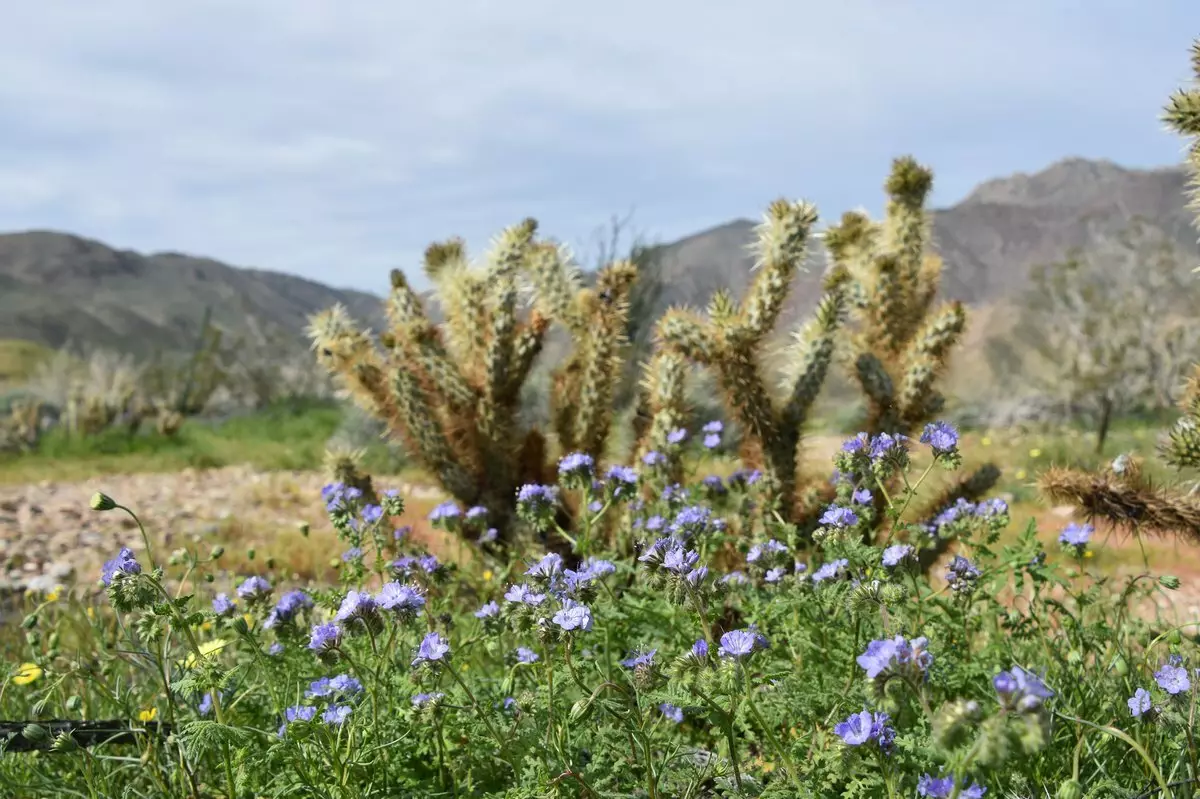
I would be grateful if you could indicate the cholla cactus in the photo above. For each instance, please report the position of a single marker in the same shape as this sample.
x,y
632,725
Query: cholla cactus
x,y
1182,115
450,392
884,280
1121,494
899,339
729,339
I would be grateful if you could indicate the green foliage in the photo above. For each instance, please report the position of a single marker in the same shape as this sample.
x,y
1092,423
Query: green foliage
x,y
834,669
290,434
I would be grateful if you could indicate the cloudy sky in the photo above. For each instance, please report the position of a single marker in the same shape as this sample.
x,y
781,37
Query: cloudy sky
x,y
334,140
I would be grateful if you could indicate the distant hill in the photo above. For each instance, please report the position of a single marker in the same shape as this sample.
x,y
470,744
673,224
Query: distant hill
x,y
56,288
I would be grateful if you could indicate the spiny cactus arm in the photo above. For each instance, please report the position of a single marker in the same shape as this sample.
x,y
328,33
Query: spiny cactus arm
x,y
780,249
556,284
350,357
880,391
415,336
929,279
971,488
509,254
344,465
687,333
1181,448
461,292
926,360
906,226
1182,115
917,401
1129,502
564,396
608,311
530,338
663,389
748,401
851,243
425,431
808,361
884,311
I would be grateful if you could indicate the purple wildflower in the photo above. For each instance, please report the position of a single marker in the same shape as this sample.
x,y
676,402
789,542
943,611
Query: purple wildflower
x,y
941,437
1139,703
573,616
527,656
1173,679
432,649
895,554
123,564
672,712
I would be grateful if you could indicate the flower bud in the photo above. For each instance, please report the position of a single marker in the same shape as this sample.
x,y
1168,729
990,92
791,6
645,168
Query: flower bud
x,y
101,501
30,621
250,553
240,626
35,733
1071,789
303,526
1174,638
1169,581
217,552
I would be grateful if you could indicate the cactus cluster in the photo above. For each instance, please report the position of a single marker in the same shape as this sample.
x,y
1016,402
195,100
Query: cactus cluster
x,y
877,313
450,392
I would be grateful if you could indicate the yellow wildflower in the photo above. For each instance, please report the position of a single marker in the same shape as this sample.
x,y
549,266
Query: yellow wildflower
x,y
207,649
91,613
54,594
1035,453
1089,554
985,441
27,673
248,619
206,626
487,574
148,715
1021,475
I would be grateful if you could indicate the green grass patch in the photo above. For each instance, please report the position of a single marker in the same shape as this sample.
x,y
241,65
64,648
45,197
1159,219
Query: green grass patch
x,y
286,436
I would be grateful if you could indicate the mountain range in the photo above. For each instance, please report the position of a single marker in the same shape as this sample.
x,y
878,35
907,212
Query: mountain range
x,y
57,288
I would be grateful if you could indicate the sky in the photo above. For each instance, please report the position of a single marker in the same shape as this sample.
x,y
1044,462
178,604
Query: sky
x,y
335,140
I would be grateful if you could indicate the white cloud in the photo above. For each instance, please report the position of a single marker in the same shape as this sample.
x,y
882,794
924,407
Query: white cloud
x,y
336,139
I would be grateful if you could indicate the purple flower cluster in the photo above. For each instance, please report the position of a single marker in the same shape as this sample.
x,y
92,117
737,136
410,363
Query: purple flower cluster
x,y
830,570
740,644
896,554
445,514
1075,537
896,656
253,589
962,575
943,788
433,649
1020,689
712,434
962,512
576,468
839,517
941,437
1173,678
124,564
287,608
864,727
